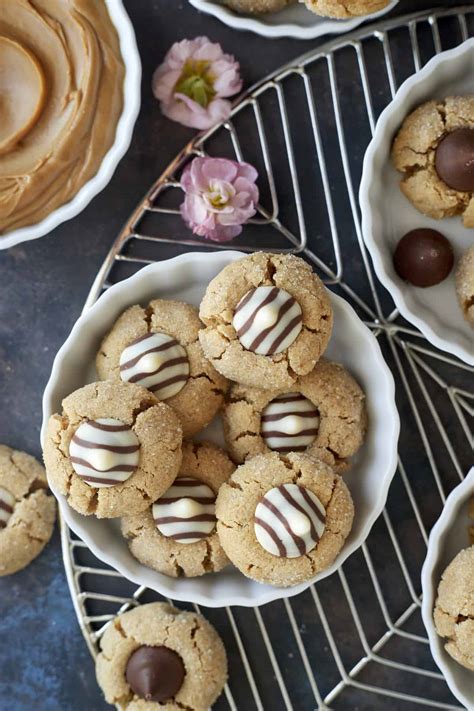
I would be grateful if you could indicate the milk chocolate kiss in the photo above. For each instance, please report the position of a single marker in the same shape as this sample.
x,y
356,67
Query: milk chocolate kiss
x,y
454,159
155,673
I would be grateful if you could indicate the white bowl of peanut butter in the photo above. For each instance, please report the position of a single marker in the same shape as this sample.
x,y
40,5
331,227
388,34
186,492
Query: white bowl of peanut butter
x,y
70,86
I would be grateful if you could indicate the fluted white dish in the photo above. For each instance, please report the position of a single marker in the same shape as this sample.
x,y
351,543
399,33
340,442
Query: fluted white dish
x,y
352,343
293,21
448,536
123,136
387,214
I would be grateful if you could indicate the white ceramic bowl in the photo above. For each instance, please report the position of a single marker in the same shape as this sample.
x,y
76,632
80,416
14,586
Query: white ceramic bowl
x,y
123,136
387,214
186,278
293,21
448,536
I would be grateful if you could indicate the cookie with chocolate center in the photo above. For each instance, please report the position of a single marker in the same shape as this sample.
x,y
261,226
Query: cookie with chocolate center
x,y
177,535
454,608
434,151
465,284
268,320
113,450
157,347
257,7
157,656
27,510
323,413
345,9
282,520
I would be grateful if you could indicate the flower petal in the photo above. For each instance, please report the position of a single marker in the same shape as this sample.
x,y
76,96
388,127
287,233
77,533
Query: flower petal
x,y
163,83
223,234
219,169
219,199
221,74
248,171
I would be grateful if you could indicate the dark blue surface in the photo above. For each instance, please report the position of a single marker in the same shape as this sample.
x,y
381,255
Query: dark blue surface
x,y
44,661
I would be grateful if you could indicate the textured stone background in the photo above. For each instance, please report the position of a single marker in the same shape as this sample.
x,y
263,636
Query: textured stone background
x,y
44,661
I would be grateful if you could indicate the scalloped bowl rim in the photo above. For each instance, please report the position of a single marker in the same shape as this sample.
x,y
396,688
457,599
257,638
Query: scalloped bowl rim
x,y
285,29
365,200
123,137
457,497
266,593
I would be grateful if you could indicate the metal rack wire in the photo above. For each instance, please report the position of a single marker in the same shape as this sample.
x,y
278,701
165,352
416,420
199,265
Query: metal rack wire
x,y
356,640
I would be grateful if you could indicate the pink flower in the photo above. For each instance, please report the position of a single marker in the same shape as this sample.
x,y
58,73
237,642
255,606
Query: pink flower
x,y
193,80
221,195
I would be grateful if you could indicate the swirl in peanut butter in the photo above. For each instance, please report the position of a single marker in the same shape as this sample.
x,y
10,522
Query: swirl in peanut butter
x,y
61,84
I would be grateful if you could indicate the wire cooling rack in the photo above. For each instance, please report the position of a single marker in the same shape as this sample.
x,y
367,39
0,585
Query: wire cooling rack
x,y
354,640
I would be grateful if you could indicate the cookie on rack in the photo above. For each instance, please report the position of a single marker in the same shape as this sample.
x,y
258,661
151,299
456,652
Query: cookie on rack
x,y
282,520
177,534
345,9
434,150
454,608
465,284
257,7
114,449
157,346
159,657
268,320
27,511
323,414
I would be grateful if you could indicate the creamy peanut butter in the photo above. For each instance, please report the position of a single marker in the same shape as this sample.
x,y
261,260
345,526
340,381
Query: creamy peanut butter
x,y
61,95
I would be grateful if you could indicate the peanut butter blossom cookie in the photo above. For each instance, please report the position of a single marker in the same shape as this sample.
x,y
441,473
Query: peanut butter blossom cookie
x,y
114,449
156,656
345,9
465,284
27,511
268,319
454,608
257,7
158,348
283,520
434,150
324,413
177,534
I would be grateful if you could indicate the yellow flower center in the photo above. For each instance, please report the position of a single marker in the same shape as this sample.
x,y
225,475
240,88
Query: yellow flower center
x,y
218,201
197,82
218,195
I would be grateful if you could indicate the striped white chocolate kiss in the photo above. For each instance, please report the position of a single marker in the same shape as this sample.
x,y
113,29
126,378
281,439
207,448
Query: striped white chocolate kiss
x,y
289,521
104,452
186,512
7,504
267,320
156,362
289,423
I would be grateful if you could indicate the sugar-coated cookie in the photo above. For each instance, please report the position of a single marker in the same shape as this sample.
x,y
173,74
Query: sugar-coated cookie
x,y
177,535
345,8
268,319
283,520
158,657
454,608
158,347
114,449
465,284
27,512
257,7
323,414
433,150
